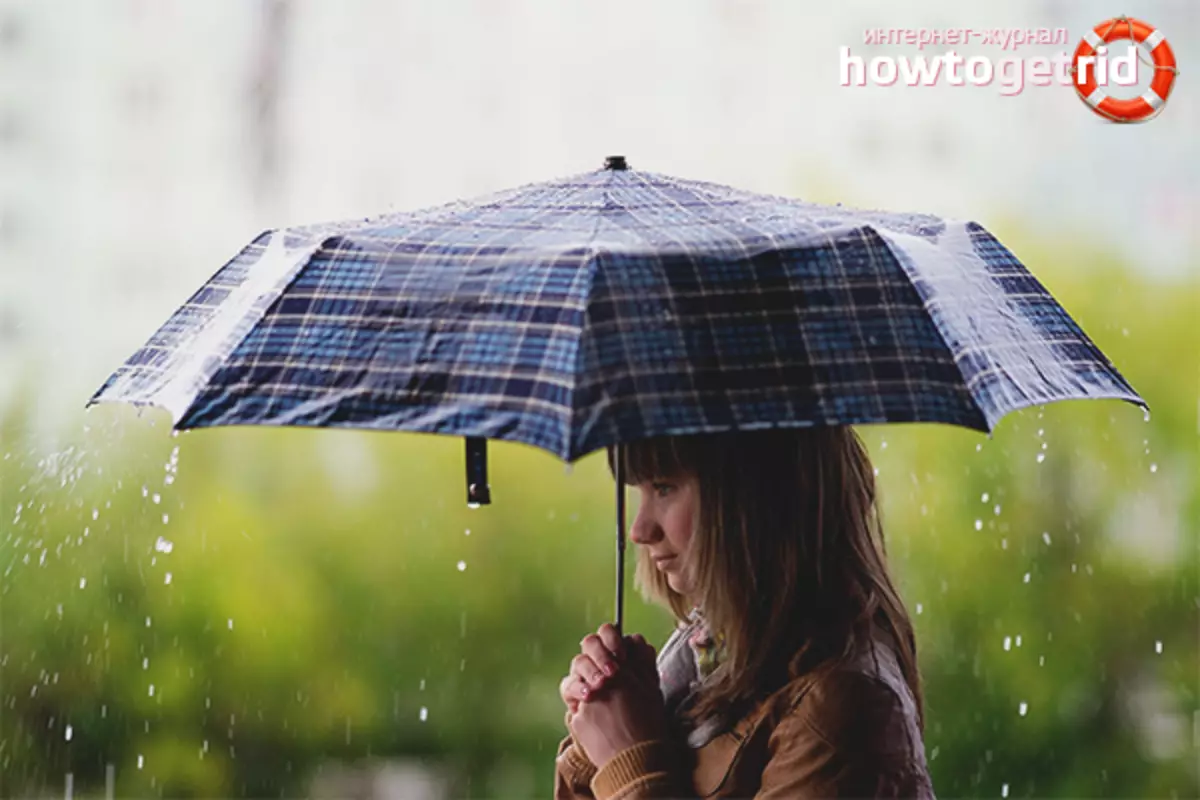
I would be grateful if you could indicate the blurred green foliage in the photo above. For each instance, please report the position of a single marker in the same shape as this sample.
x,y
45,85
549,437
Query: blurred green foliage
x,y
322,600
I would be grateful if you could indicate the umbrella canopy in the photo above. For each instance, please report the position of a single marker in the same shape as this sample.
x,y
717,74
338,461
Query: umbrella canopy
x,y
612,306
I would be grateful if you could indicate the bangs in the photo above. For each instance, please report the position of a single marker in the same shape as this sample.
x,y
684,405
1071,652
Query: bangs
x,y
658,457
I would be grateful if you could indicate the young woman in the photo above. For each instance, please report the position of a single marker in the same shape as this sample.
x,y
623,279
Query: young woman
x,y
792,672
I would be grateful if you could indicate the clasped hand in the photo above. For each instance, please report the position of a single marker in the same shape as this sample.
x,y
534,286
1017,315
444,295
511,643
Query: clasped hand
x,y
612,694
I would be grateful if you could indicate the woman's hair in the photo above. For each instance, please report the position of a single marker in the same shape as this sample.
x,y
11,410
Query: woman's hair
x,y
788,559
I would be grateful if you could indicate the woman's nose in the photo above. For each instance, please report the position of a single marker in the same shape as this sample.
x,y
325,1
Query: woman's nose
x,y
643,530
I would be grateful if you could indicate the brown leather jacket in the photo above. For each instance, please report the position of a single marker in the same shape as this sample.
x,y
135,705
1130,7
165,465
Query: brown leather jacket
x,y
851,733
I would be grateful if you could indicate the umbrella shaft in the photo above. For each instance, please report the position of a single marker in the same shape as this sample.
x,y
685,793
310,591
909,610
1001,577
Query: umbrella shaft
x,y
620,479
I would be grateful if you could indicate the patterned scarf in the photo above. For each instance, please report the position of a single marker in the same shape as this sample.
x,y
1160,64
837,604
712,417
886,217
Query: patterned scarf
x,y
686,660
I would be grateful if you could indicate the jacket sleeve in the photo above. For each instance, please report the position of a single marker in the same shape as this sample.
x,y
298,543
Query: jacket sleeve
x,y
849,737
573,771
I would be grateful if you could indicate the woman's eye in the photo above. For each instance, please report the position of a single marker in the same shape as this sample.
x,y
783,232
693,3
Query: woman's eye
x,y
662,488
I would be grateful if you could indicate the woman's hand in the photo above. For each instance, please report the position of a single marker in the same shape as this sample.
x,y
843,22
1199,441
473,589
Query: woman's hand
x,y
600,658
622,676
627,710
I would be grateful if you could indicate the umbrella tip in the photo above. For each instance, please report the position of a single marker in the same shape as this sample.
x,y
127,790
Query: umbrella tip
x,y
615,162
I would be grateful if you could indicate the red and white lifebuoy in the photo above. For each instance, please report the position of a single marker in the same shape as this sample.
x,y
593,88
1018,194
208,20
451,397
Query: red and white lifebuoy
x,y
1136,109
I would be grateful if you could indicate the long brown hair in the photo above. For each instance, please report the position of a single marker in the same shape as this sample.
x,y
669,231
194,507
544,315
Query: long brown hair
x,y
788,556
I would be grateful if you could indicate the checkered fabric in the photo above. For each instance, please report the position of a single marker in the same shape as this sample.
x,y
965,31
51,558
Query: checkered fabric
x,y
611,306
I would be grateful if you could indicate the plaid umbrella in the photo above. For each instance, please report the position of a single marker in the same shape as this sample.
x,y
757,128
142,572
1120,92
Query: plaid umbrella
x,y
611,306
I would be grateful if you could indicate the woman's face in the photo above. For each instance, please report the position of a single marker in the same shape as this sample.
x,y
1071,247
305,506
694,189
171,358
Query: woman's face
x,y
665,523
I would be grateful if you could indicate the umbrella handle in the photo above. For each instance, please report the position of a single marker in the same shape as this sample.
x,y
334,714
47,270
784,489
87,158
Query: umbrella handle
x,y
620,479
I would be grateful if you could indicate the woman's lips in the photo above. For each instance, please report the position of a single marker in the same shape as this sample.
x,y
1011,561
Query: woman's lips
x,y
659,561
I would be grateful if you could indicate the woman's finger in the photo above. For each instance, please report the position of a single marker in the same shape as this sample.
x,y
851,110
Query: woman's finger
x,y
612,641
601,656
584,668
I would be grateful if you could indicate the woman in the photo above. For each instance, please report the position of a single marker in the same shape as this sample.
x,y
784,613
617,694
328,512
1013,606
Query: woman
x,y
793,670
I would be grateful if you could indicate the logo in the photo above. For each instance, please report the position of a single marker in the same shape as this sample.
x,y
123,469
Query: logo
x,y
1090,70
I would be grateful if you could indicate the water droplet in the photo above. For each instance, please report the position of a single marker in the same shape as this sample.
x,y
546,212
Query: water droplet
x,y
1004,544
1041,432
169,480
147,622
877,472
1044,445
1041,661
883,445
157,498
468,531
1008,643
1154,467
145,491
163,545
145,663
231,623
1027,577
1024,707
70,731
95,513
141,761
978,524
152,690
472,505
920,608
82,583
1041,457
1018,640
168,580
978,448
1158,647
462,565
1046,537
1145,415
1004,790
984,498
424,713
996,509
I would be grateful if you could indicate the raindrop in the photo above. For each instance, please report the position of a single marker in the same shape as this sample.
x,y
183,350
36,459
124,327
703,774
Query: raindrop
x,y
1023,708
978,524
1027,577
1004,790
166,518
69,733
168,580
1046,537
1041,432
152,690
82,583
984,499
1158,647
157,498
877,472
169,480
1004,544
920,608
1018,640
468,531
1146,415
424,713
163,545
147,622
978,448
95,513
1154,467
145,663
231,623
1007,642
1044,445
145,491
883,445
996,509
1041,661
141,761
1041,457
462,566
472,505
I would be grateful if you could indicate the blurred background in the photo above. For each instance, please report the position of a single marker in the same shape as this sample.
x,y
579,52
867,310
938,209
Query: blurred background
x,y
271,613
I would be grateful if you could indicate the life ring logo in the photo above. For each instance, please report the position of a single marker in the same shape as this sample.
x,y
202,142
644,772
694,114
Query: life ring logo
x,y
1089,60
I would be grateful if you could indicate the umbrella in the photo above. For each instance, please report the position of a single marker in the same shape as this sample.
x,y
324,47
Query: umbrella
x,y
614,305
